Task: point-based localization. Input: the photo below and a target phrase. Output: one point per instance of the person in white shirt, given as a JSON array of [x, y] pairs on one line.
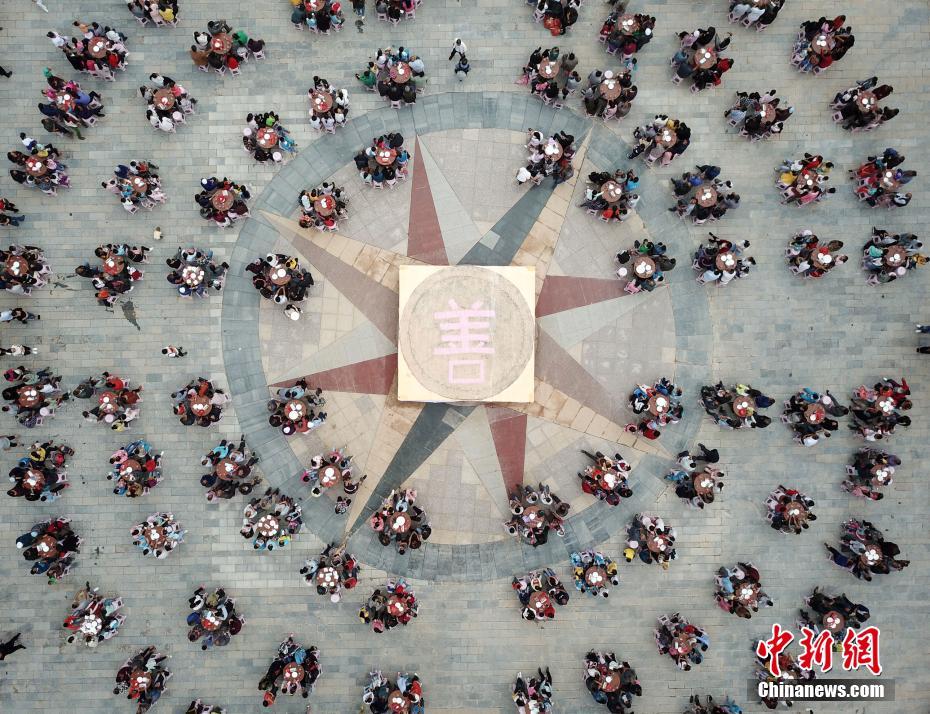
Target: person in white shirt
[[458, 48]]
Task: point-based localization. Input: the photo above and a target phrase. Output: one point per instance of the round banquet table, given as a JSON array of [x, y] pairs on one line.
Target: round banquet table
[[704, 58], [894, 256], [164, 99], [539, 602], [400, 522], [200, 406], [814, 414], [610, 89], [325, 205], [822, 44], [398, 702], [385, 157], [706, 196], [400, 73], [659, 404], [279, 275], [833, 621], [109, 402], [295, 410], [328, 577], [725, 261], [596, 576], [192, 275], [97, 48], [268, 525], [548, 69], [266, 138], [610, 682], [34, 480], [36, 166], [628, 24], [611, 191], [113, 264], [329, 475], [221, 43], [222, 199], [321, 102], [553, 150], [643, 266], [742, 407], [666, 138]]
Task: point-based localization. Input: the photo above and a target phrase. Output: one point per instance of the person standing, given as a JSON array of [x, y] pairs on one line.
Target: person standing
[[458, 48]]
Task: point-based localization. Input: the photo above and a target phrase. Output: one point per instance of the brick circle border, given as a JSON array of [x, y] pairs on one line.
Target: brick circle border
[[242, 349]]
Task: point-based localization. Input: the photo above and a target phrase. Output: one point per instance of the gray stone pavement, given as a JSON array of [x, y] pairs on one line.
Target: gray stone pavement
[[772, 330]]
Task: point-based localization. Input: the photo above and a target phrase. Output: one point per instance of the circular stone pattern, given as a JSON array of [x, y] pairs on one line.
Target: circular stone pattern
[[466, 333]]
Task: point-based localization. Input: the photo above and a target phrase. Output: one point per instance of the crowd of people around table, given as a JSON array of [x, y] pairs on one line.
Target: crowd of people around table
[[721, 261], [876, 411], [696, 486], [555, 15], [294, 669], [551, 76], [319, 16], [593, 572], [889, 256], [266, 139], [213, 619], [137, 186], [117, 272], [870, 471], [93, 618], [32, 396], [271, 520], [808, 412], [42, 474], [400, 521], [539, 592], [397, 75], [136, 469], [23, 268], [8, 211], [878, 180], [99, 52], [651, 540], [297, 409], [69, 107], [386, 609], [808, 257], [323, 207], [758, 13], [167, 103], [803, 181], [331, 572], [158, 12], [737, 406], [662, 138], [394, 11], [222, 201], [279, 278], [832, 613], [143, 677], [50, 546], [624, 34], [703, 196], [198, 706], [758, 116], [679, 639], [739, 590], [660, 404], [857, 108], [199, 402], [864, 552], [550, 156], [611, 196], [533, 694], [329, 107], [158, 535], [41, 169], [607, 479], [115, 403], [221, 49], [329, 469], [534, 513], [728, 706], [194, 272], [383, 695], [820, 43], [790, 671], [611, 682], [789, 510], [384, 161], [231, 470], [700, 58], [608, 94]]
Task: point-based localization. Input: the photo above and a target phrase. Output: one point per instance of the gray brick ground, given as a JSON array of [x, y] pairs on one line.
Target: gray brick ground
[[773, 330]]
